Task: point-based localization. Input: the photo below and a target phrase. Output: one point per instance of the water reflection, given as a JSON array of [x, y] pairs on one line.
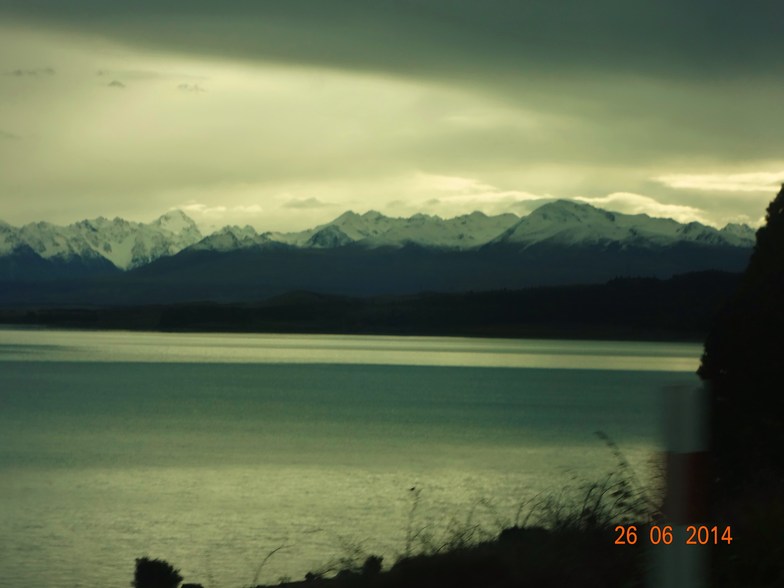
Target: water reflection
[[39, 345]]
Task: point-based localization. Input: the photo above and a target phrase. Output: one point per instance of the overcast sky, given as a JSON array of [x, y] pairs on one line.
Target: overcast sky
[[284, 114]]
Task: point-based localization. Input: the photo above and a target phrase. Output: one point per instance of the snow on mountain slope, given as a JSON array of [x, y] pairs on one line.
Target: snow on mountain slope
[[741, 234], [329, 236], [9, 238], [123, 243], [178, 223], [128, 245], [373, 229], [565, 222], [229, 238], [52, 241]]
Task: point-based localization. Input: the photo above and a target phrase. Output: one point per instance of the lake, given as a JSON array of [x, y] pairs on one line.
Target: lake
[[212, 450]]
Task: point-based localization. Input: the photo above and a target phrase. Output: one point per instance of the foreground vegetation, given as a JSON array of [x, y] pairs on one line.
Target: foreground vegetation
[[560, 539]]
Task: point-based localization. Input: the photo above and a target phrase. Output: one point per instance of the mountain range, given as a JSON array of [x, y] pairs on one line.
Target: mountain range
[[110, 261], [128, 245], [124, 244]]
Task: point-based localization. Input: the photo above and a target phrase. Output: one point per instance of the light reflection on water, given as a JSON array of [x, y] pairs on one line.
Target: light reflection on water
[[25, 345], [211, 450]]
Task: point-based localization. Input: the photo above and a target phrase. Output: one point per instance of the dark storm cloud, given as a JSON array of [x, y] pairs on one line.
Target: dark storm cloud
[[659, 77], [451, 38]]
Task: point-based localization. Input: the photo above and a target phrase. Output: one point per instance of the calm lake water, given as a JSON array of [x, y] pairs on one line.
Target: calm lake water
[[210, 451]]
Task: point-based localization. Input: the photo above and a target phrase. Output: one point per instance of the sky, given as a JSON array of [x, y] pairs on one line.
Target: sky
[[284, 114]]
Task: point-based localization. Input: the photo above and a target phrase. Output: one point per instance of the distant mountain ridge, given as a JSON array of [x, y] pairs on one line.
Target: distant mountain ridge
[[129, 245], [372, 229], [570, 223], [561, 222], [126, 245], [169, 260]]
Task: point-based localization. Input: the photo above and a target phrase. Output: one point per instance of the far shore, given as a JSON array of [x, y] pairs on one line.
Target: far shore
[[681, 308]]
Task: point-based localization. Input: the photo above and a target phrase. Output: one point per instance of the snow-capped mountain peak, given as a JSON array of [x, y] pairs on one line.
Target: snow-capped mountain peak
[[125, 244], [328, 237], [9, 238], [174, 221], [739, 234], [128, 244], [373, 229], [566, 222], [232, 237]]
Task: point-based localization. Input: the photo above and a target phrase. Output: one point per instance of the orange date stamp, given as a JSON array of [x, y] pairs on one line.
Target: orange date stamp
[[665, 535]]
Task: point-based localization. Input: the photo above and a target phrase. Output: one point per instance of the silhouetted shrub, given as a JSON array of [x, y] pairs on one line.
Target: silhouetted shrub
[[372, 565], [155, 573]]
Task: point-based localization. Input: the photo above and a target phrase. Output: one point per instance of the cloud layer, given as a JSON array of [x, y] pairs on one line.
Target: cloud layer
[[302, 108]]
